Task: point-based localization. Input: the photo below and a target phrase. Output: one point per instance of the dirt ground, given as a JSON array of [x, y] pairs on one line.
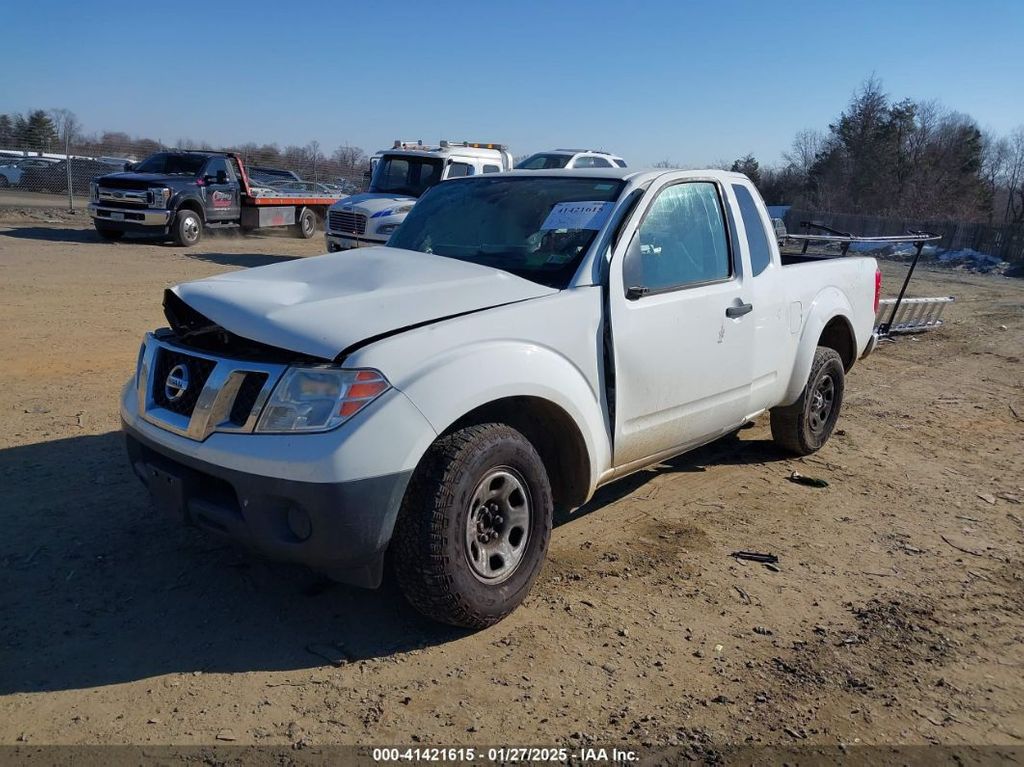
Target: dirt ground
[[895, 616]]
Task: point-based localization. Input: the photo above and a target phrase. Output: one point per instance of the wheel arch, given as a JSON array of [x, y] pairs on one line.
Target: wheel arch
[[838, 334], [194, 205], [827, 324], [555, 436]]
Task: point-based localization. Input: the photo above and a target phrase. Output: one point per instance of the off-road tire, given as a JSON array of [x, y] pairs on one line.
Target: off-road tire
[[187, 229], [429, 547], [109, 234], [305, 224], [800, 427]]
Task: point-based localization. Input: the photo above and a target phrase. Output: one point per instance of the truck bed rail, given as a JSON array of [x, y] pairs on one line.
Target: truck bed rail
[[845, 239]]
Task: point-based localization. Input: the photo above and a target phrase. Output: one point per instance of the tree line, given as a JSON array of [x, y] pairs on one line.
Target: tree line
[[51, 131], [906, 159]]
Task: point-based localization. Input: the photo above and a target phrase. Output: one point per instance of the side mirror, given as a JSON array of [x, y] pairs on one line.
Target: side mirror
[[129, 167], [222, 177]]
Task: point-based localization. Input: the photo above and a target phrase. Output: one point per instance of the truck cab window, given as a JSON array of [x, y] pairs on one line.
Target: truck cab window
[[584, 162], [757, 240], [492, 169], [681, 240], [599, 162], [411, 176], [215, 166], [458, 169]]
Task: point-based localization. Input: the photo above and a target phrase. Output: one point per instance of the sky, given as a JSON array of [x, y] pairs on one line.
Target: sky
[[694, 83]]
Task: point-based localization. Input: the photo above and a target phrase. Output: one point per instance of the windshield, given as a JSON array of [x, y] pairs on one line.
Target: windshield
[[172, 164], [544, 162], [405, 174], [536, 228]]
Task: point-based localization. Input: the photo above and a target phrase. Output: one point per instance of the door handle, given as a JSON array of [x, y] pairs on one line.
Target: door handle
[[739, 311]]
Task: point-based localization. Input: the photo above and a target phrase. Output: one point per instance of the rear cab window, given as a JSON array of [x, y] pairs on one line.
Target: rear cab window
[[757, 239]]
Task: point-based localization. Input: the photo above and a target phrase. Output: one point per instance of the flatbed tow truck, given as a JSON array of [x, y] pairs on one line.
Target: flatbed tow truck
[[181, 193]]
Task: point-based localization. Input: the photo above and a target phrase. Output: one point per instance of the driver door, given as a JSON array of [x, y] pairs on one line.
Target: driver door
[[682, 332], [223, 201]]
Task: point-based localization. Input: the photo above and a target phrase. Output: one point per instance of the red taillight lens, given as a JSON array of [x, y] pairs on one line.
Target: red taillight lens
[[878, 288]]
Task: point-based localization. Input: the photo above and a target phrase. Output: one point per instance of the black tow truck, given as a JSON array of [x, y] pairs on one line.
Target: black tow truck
[[179, 194]]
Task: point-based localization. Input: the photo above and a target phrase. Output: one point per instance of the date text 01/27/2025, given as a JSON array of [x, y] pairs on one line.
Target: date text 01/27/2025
[[504, 754]]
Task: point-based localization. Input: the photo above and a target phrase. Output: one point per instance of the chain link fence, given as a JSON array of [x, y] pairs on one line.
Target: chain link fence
[[1004, 241], [49, 172]]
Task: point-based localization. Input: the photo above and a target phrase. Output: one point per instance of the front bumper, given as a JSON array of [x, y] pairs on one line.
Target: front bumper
[[128, 219], [339, 528], [336, 241]]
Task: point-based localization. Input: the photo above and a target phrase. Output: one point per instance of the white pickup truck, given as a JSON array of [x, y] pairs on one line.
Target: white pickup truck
[[523, 339]]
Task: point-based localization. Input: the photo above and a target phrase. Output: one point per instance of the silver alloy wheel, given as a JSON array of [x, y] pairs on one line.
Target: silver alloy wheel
[[822, 402], [190, 227], [309, 225], [498, 525]]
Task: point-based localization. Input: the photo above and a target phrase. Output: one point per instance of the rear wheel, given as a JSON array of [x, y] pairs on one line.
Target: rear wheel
[[805, 426], [305, 226], [109, 234], [187, 229], [474, 526]]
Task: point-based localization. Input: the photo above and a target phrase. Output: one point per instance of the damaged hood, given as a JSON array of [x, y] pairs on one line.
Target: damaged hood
[[322, 306]]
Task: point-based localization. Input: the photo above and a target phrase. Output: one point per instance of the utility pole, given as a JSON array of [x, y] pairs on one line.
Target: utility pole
[[67, 158]]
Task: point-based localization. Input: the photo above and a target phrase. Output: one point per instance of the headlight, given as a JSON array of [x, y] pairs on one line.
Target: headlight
[[94, 191], [400, 210], [387, 228], [319, 398], [158, 197]]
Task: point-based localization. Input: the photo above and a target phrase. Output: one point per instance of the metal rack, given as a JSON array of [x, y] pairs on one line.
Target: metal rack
[[915, 306]]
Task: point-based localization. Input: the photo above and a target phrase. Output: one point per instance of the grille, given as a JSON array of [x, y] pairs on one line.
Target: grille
[[246, 398], [346, 221], [199, 370]]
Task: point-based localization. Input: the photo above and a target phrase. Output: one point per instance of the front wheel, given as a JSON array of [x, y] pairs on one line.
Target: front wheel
[[187, 229], [474, 527], [805, 426]]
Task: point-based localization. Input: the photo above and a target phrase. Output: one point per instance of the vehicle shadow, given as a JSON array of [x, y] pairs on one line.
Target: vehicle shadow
[[97, 589], [58, 234], [238, 259], [731, 450]]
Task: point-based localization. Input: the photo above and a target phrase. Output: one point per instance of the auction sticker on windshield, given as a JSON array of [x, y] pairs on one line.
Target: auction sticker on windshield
[[578, 215]]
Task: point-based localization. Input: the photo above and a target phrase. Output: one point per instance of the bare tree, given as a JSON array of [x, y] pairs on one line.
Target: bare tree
[[807, 144], [1014, 175], [314, 153], [995, 160], [67, 125]]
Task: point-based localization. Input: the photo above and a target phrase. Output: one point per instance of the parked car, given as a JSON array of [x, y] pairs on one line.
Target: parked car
[[53, 177], [296, 188], [523, 339], [571, 158], [265, 176], [11, 175], [779, 226]]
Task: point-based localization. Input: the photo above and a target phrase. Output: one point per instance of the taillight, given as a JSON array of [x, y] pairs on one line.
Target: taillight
[[878, 288]]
